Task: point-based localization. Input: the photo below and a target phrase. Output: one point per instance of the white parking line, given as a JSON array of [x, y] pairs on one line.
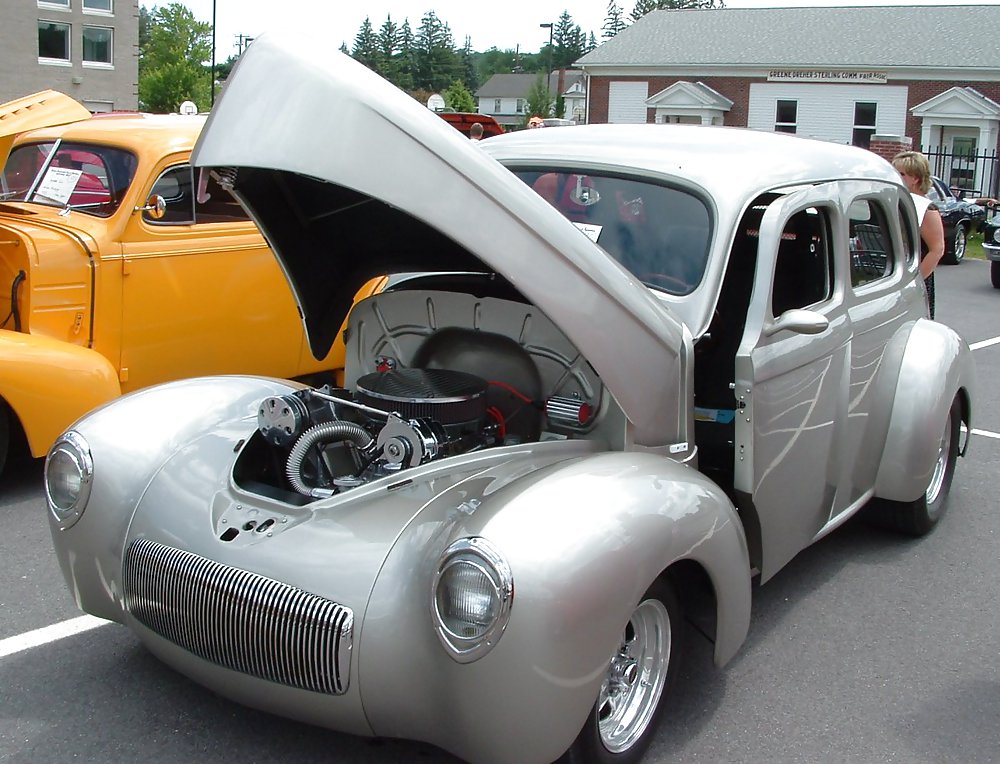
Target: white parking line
[[984, 343], [47, 634], [986, 433]]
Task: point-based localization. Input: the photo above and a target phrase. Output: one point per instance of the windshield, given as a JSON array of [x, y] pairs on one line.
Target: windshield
[[82, 176], [659, 233]]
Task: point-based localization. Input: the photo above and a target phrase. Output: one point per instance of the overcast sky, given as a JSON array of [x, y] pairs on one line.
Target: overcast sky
[[505, 24]]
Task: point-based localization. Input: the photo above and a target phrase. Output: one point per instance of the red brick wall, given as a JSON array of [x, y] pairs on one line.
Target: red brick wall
[[887, 146]]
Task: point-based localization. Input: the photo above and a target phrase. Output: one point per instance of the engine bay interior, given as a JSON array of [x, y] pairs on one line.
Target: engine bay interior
[[431, 371]]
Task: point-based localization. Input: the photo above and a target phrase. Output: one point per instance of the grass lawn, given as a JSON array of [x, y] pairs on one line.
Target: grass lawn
[[974, 246]]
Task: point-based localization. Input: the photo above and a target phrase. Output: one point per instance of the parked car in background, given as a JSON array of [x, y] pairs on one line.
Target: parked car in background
[[122, 267], [991, 247], [633, 367], [960, 218], [463, 121]]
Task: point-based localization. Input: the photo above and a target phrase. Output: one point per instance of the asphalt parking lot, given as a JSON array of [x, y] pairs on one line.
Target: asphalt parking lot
[[866, 648]]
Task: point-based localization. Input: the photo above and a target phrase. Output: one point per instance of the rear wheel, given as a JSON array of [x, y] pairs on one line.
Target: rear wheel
[[623, 720], [918, 517], [995, 274], [959, 241], [4, 434]]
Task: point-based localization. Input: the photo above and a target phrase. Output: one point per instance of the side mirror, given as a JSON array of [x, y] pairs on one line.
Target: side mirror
[[156, 206], [798, 321]]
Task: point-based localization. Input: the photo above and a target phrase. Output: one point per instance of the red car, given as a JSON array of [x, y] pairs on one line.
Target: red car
[[463, 120]]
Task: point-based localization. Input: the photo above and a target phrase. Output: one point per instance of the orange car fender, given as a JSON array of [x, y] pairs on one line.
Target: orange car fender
[[49, 384]]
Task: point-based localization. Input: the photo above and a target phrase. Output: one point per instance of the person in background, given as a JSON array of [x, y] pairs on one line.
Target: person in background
[[536, 121], [915, 171], [476, 131]]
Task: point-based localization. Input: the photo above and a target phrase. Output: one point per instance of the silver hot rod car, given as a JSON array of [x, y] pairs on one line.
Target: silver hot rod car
[[618, 372]]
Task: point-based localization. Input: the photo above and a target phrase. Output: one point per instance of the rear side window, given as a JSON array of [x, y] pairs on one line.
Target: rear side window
[[870, 243], [803, 270], [910, 236], [187, 204]]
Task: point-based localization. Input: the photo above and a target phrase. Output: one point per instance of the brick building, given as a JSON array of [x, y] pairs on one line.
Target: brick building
[[85, 48], [844, 74]]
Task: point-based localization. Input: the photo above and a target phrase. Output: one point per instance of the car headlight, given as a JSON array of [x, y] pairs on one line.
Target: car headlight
[[472, 596], [996, 236], [69, 474]]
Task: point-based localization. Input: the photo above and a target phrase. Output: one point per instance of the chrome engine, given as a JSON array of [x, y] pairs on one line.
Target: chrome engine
[[332, 440]]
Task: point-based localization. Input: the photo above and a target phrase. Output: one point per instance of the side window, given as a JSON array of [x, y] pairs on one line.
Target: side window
[[174, 185], [909, 235], [870, 243], [803, 272], [187, 204]]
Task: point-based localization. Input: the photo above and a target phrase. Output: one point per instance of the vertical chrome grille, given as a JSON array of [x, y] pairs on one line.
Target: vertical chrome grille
[[239, 620]]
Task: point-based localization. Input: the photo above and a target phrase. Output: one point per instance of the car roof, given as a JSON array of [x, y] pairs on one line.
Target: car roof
[[727, 162], [160, 134]]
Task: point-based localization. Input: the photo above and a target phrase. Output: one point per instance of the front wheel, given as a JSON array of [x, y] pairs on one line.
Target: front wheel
[[623, 720], [918, 517], [995, 274], [959, 241]]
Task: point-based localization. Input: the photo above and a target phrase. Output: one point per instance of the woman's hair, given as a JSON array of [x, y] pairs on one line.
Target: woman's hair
[[914, 164]]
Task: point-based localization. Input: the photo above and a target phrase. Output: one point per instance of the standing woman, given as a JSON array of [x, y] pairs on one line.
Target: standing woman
[[915, 171]]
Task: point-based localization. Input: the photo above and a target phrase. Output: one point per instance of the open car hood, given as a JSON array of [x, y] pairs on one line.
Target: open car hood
[[349, 178], [45, 109]]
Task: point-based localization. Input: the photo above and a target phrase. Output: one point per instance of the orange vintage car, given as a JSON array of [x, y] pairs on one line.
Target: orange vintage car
[[122, 267]]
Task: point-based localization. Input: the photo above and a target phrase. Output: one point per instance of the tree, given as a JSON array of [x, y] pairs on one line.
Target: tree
[[642, 7], [437, 63], [569, 42], [614, 22], [173, 51], [365, 48], [539, 100], [387, 43], [458, 97]]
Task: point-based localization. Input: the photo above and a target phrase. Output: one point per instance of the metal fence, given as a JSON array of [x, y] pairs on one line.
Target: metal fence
[[976, 174]]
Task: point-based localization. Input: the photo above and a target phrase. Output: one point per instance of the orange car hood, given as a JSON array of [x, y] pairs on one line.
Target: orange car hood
[[44, 109]]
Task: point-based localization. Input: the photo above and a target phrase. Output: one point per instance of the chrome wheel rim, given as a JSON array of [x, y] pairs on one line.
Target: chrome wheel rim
[[636, 676], [941, 465], [959, 243]]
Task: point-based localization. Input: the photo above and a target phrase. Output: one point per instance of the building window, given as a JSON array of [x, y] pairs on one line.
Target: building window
[[53, 41], [496, 105], [97, 45], [864, 124], [786, 116], [53, 4], [520, 106], [102, 6]]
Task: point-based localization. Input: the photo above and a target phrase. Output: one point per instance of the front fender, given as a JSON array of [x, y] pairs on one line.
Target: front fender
[[936, 367], [49, 384], [584, 537], [130, 440]]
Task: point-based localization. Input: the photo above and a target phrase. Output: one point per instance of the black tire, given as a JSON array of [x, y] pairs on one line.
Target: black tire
[[917, 518], [609, 736], [958, 243], [995, 274]]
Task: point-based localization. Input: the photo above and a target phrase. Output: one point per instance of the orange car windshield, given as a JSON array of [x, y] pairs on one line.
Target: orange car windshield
[[91, 178]]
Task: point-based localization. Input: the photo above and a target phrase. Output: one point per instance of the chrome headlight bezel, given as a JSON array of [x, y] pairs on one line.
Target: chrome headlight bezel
[[475, 556], [71, 453], [996, 236]]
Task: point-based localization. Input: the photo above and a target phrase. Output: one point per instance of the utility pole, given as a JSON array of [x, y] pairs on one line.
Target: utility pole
[[212, 83], [548, 69]]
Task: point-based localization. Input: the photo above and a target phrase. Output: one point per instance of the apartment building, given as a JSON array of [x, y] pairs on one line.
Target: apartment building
[[85, 48]]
